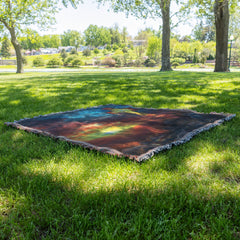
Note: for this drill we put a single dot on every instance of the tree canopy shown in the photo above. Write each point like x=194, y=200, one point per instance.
x=22, y=13
x=97, y=36
x=17, y=15
x=71, y=38
x=5, y=49
x=234, y=25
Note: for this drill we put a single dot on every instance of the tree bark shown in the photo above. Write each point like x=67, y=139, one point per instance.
x=17, y=48
x=221, y=12
x=165, y=8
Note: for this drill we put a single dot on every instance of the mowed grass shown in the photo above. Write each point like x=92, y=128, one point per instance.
x=52, y=190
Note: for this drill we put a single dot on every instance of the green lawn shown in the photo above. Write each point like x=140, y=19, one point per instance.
x=52, y=190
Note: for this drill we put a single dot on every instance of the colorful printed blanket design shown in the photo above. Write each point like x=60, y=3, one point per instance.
x=136, y=133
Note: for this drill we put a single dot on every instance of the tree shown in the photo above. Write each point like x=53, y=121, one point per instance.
x=63, y=54
x=51, y=41
x=86, y=52
x=154, y=48
x=144, y=9
x=5, y=50
x=115, y=35
x=186, y=38
x=72, y=38
x=124, y=35
x=144, y=35
x=97, y=36
x=221, y=10
x=205, y=32
x=234, y=25
x=15, y=15
x=31, y=41
x=165, y=9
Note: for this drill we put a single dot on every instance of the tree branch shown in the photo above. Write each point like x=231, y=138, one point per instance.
x=5, y=23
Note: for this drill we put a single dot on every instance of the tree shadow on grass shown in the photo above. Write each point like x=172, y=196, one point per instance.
x=44, y=206
x=67, y=91
x=53, y=207
x=52, y=93
x=39, y=95
x=110, y=198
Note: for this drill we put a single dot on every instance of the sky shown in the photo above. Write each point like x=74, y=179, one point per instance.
x=88, y=13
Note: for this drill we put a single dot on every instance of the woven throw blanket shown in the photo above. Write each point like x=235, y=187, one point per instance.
x=136, y=133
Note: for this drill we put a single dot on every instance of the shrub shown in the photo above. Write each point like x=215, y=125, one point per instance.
x=131, y=46
x=63, y=54
x=118, y=52
x=74, y=51
x=122, y=45
x=178, y=60
x=195, y=59
x=96, y=50
x=76, y=62
x=97, y=62
x=68, y=60
x=126, y=59
x=115, y=46
x=24, y=60
x=211, y=57
x=54, y=62
x=109, y=48
x=119, y=60
x=130, y=63
x=38, y=62
x=73, y=61
x=150, y=62
x=125, y=50
x=153, y=48
x=138, y=62
x=109, y=61
x=236, y=54
x=180, y=54
x=175, y=64
x=86, y=52
x=195, y=56
x=105, y=52
x=203, y=59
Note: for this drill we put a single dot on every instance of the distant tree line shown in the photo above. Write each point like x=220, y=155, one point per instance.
x=17, y=15
x=195, y=48
x=93, y=36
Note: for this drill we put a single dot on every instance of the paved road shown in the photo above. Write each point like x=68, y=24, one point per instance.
x=109, y=70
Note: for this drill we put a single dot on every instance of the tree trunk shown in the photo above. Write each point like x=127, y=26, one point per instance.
x=17, y=48
x=221, y=12
x=165, y=8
